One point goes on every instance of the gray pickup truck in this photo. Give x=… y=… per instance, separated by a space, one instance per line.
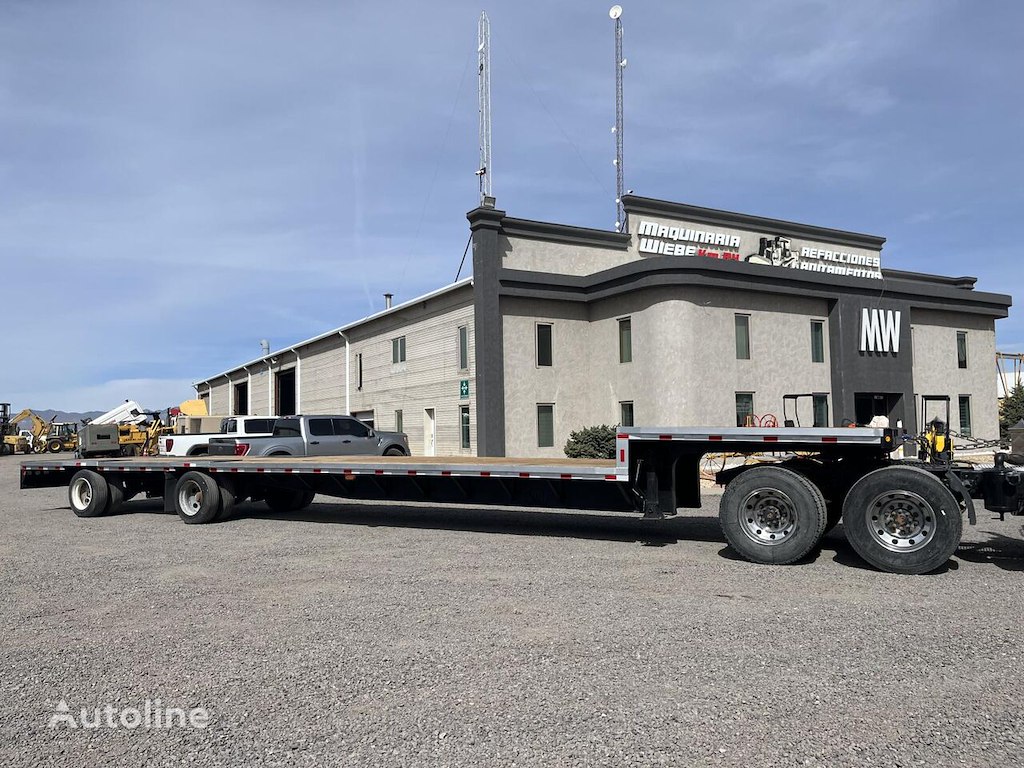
x=315 y=436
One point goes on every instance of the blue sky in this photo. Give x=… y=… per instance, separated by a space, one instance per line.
x=181 y=180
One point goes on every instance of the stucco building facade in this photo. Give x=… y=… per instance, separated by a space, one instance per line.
x=696 y=316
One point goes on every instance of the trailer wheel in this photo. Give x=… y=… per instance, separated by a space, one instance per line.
x=772 y=515
x=197 y=498
x=116 y=494
x=88 y=493
x=902 y=520
x=288 y=499
x=228 y=497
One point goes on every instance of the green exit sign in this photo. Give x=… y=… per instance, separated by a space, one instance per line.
x=464 y=389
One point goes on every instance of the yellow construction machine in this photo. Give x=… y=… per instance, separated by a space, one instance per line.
x=47 y=436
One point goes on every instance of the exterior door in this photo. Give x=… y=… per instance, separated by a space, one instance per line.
x=321 y=438
x=353 y=438
x=429 y=432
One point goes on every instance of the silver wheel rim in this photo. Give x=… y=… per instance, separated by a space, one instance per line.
x=768 y=516
x=190 y=498
x=81 y=493
x=900 y=521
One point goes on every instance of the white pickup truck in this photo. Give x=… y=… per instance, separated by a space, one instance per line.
x=233 y=426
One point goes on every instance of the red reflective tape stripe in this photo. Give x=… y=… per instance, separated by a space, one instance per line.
x=259 y=469
x=622 y=437
x=234 y=469
x=664 y=437
x=288 y=469
x=378 y=471
x=565 y=477
x=611 y=477
x=485 y=474
x=411 y=472
x=830 y=439
x=446 y=473
x=715 y=438
x=317 y=471
x=524 y=474
x=622 y=455
x=771 y=438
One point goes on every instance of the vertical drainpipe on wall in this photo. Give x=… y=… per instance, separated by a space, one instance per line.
x=348 y=377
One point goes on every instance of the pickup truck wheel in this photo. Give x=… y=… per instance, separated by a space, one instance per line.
x=88 y=493
x=288 y=499
x=393 y=451
x=902 y=520
x=772 y=515
x=197 y=498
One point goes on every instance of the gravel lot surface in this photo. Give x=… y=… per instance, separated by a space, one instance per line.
x=367 y=634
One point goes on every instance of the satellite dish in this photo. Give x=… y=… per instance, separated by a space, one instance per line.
x=615 y=12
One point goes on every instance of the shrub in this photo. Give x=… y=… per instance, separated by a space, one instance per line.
x=591 y=443
x=1011 y=410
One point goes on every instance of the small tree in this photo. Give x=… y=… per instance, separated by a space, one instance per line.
x=1011 y=410
x=591 y=443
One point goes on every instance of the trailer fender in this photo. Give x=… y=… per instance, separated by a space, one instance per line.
x=956 y=485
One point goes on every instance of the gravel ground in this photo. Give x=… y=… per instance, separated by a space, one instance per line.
x=359 y=634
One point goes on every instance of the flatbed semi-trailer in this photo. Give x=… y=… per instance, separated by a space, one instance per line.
x=901 y=516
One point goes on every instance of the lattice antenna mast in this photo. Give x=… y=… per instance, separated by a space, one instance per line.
x=485 y=172
x=620 y=64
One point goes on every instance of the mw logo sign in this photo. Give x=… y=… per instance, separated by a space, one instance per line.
x=880 y=330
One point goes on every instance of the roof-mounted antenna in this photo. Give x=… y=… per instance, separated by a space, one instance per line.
x=620 y=64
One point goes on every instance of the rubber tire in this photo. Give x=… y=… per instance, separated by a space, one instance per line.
x=54 y=446
x=85 y=480
x=288 y=499
x=209 y=506
x=393 y=451
x=948 y=520
x=5 y=449
x=116 y=496
x=833 y=514
x=228 y=497
x=810 y=512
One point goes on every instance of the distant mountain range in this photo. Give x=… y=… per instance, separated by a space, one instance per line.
x=51 y=415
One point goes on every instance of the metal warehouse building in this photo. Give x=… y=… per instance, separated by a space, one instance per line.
x=695 y=317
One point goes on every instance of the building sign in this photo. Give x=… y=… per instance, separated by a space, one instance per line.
x=880 y=330
x=773 y=250
x=463 y=389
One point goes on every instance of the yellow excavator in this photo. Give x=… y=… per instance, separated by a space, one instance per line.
x=47 y=436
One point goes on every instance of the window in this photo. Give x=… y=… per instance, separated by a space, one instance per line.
x=350 y=427
x=543 y=344
x=398 y=350
x=258 y=426
x=464 y=426
x=398 y=422
x=965 y=415
x=287 y=428
x=626 y=414
x=744 y=408
x=626 y=340
x=961 y=349
x=320 y=427
x=817 y=341
x=742 y=337
x=820 y=405
x=545 y=426
x=359 y=368
x=463 y=347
